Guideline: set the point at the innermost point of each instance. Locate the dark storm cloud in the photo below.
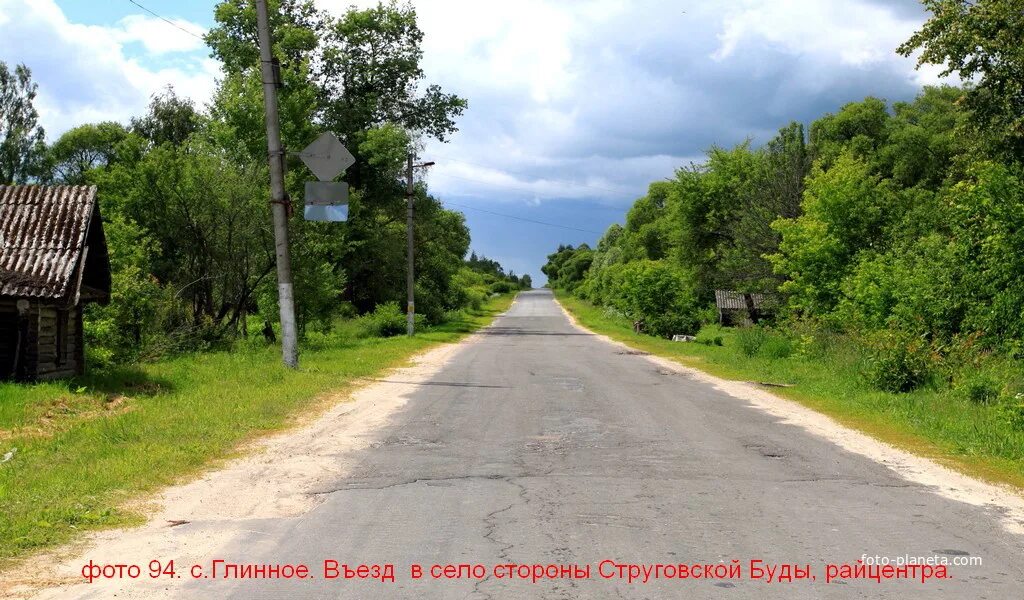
(650, 89)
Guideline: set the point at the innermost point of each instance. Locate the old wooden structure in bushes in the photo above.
(735, 308)
(53, 260)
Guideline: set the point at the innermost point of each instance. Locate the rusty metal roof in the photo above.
(726, 299)
(42, 233)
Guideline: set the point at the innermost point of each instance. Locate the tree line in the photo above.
(183, 189)
(898, 225)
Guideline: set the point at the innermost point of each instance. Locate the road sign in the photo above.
(327, 157)
(315, 212)
(326, 193)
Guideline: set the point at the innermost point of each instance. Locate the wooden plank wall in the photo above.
(43, 359)
(52, 361)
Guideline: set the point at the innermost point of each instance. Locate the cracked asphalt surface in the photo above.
(543, 444)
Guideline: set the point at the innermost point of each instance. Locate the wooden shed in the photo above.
(735, 308)
(53, 260)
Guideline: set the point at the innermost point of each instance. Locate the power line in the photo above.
(168, 21)
(466, 162)
(518, 188)
(491, 212)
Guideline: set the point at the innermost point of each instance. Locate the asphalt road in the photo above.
(543, 444)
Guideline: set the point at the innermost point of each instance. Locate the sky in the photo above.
(575, 106)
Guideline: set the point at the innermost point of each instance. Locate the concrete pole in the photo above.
(286, 300)
(410, 278)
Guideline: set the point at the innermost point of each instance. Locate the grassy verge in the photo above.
(87, 446)
(936, 423)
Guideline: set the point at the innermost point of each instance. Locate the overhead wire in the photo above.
(507, 216)
(466, 162)
(168, 21)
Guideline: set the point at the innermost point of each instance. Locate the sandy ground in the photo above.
(274, 480)
(943, 480)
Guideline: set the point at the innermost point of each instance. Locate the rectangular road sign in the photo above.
(326, 193)
(326, 213)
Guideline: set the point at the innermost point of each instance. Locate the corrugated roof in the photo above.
(42, 233)
(734, 300)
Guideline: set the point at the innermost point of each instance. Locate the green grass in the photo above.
(932, 421)
(87, 447)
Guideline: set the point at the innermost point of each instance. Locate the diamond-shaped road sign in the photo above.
(327, 157)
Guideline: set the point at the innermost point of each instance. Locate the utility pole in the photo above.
(410, 278)
(278, 198)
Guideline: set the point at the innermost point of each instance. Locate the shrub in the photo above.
(386, 320)
(897, 362)
(776, 346)
(660, 295)
(1012, 411)
(750, 340)
(981, 389)
(475, 298)
(501, 287)
(813, 338)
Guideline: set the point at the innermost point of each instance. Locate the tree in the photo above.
(981, 41)
(845, 210)
(83, 149)
(22, 139)
(358, 76)
(170, 119)
(370, 73)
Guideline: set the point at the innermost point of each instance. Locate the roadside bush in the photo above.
(776, 346)
(502, 287)
(659, 295)
(812, 338)
(896, 362)
(708, 315)
(980, 388)
(750, 339)
(758, 340)
(475, 298)
(386, 320)
(1012, 411)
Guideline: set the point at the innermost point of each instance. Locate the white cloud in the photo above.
(158, 36)
(856, 34)
(574, 99)
(83, 71)
(571, 99)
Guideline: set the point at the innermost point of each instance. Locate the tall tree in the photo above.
(170, 119)
(82, 149)
(22, 144)
(981, 41)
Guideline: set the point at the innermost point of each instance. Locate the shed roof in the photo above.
(726, 299)
(43, 231)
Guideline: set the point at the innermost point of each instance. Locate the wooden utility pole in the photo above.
(278, 199)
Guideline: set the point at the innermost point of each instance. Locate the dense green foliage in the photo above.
(183, 191)
(22, 142)
(899, 227)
